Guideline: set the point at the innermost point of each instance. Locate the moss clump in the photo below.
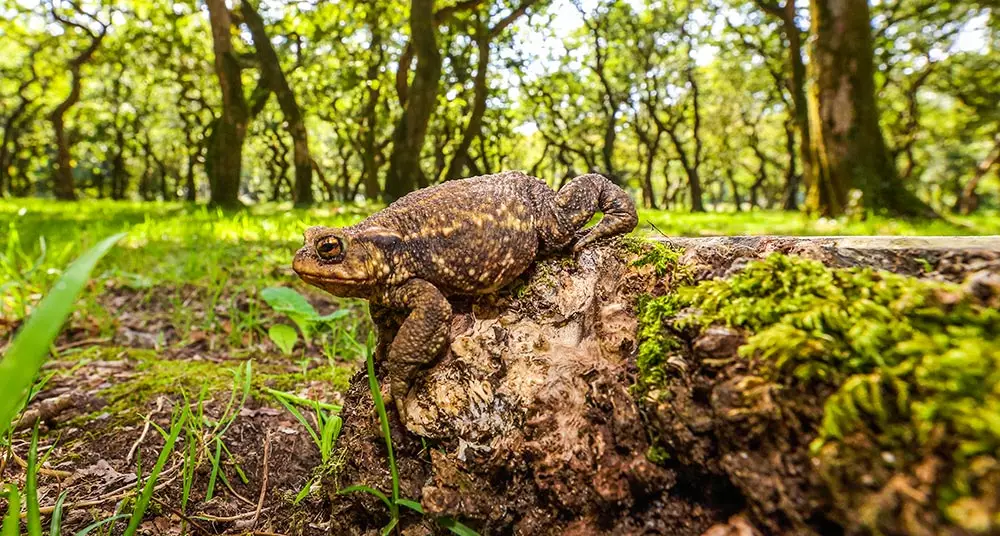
(664, 259)
(914, 365)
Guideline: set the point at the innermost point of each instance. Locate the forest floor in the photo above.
(172, 318)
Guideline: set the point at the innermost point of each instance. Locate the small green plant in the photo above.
(242, 378)
(395, 501)
(27, 353)
(300, 311)
(324, 434)
(142, 503)
(10, 525)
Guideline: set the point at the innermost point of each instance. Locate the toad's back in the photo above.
(470, 236)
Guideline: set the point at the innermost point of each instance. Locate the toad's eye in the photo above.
(329, 248)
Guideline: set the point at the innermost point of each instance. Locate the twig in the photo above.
(41, 470)
(145, 430)
(182, 516)
(84, 342)
(237, 517)
(263, 484)
(225, 482)
(114, 496)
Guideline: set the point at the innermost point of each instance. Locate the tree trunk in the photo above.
(408, 138)
(790, 195)
(225, 153)
(459, 161)
(968, 201)
(118, 179)
(369, 162)
(275, 78)
(848, 148)
(63, 179)
(797, 87)
(731, 177)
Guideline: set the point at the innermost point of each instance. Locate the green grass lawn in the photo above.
(190, 244)
(177, 244)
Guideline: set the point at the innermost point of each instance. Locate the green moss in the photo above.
(663, 258)
(910, 361)
(155, 376)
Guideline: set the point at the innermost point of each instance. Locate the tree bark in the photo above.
(484, 36)
(225, 153)
(369, 161)
(968, 201)
(800, 104)
(408, 138)
(848, 148)
(275, 79)
(62, 186)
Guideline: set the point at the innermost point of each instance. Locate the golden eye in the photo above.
(329, 248)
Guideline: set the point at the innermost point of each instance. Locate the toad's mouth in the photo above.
(317, 278)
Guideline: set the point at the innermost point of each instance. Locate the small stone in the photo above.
(718, 342)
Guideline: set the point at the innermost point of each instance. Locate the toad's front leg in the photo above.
(421, 336)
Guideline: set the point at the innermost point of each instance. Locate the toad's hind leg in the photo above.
(583, 197)
(422, 335)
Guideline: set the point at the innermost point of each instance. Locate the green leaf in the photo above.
(31, 487)
(386, 530)
(412, 505)
(55, 526)
(27, 353)
(366, 489)
(12, 521)
(97, 524)
(336, 315)
(284, 337)
(288, 301)
(455, 527)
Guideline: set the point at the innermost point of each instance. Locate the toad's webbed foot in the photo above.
(580, 199)
(420, 338)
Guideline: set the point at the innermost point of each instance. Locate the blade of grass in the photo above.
(302, 420)
(98, 524)
(382, 416)
(392, 524)
(455, 527)
(30, 347)
(412, 505)
(216, 459)
(147, 492)
(34, 521)
(365, 489)
(12, 521)
(298, 400)
(55, 526)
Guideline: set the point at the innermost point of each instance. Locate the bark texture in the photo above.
(62, 184)
(225, 153)
(276, 81)
(405, 173)
(848, 149)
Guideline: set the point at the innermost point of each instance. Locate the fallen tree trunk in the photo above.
(541, 419)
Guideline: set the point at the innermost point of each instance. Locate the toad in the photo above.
(463, 237)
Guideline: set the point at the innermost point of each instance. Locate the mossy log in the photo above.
(539, 419)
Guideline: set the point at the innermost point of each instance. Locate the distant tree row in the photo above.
(691, 104)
